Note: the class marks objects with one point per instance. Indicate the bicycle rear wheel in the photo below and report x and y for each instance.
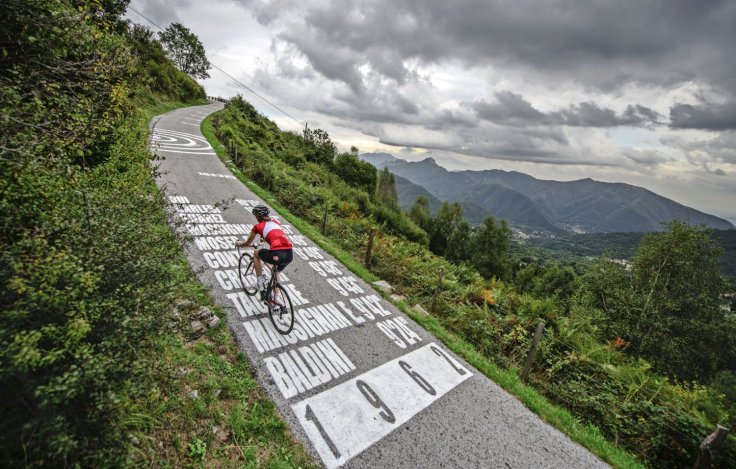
(247, 274)
(280, 310)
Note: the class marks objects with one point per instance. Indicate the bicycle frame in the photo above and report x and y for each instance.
(274, 280)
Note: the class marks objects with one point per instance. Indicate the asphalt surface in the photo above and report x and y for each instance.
(359, 382)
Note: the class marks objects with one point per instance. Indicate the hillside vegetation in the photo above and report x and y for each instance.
(96, 364)
(597, 358)
(624, 245)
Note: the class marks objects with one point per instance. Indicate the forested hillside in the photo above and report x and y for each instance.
(624, 245)
(645, 354)
(94, 288)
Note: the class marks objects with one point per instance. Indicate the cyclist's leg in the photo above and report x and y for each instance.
(265, 256)
(258, 264)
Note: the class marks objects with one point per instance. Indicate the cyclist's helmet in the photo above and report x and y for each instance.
(260, 211)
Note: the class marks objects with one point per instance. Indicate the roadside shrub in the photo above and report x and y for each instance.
(84, 273)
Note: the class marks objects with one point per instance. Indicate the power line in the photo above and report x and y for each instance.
(228, 75)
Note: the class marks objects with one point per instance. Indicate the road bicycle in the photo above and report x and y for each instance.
(274, 296)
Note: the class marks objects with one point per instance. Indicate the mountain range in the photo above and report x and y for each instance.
(531, 204)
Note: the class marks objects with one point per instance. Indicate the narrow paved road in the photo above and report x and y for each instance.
(359, 382)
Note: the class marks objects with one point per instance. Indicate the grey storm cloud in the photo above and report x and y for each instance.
(720, 149)
(537, 144)
(383, 106)
(604, 43)
(512, 109)
(362, 59)
(704, 116)
(163, 12)
(589, 114)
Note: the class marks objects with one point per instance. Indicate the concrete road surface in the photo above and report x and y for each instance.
(361, 384)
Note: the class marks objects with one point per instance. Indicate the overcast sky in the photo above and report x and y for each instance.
(642, 92)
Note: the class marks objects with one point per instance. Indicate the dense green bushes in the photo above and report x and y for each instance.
(84, 268)
(667, 305)
(580, 365)
(155, 77)
(355, 172)
(298, 169)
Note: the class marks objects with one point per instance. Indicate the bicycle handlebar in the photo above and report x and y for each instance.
(254, 246)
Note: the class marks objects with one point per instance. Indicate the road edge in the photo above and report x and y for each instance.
(586, 435)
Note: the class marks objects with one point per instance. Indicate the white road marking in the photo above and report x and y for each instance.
(343, 421)
(172, 141)
(214, 175)
(187, 152)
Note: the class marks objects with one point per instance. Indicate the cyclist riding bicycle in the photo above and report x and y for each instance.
(279, 252)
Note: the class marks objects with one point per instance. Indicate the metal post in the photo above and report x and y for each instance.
(532, 351)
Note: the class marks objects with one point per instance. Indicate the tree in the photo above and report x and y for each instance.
(667, 306)
(556, 281)
(386, 190)
(318, 147)
(526, 277)
(459, 248)
(419, 213)
(354, 171)
(490, 246)
(443, 226)
(185, 50)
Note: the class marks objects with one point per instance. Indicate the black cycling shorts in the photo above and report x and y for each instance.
(280, 258)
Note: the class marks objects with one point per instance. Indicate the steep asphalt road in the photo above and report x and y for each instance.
(359, 382)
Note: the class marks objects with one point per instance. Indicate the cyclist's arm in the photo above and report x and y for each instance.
(248, 241)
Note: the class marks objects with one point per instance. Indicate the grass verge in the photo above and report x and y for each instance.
(202, 406)
(586, 435)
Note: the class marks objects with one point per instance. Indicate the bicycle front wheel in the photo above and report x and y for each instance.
(247, 274)
(280, 310)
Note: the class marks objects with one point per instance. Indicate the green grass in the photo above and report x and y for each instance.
(303, 226)
(203, 407)
(587, 435)
(229, 422)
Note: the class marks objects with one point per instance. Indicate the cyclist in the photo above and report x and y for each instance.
(279, 252)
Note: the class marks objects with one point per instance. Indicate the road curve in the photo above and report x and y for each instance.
(361, 384)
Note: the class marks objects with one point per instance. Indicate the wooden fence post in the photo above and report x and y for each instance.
(369, 248)
(710, 446)
(324, 221)
(437, 291)
(532, 351)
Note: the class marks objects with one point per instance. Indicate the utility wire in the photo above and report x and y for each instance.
(228, 75)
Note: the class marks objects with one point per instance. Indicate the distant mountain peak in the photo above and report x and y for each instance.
(584, 205)
(379, 159)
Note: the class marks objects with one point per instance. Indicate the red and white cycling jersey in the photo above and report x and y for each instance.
(271, 231)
